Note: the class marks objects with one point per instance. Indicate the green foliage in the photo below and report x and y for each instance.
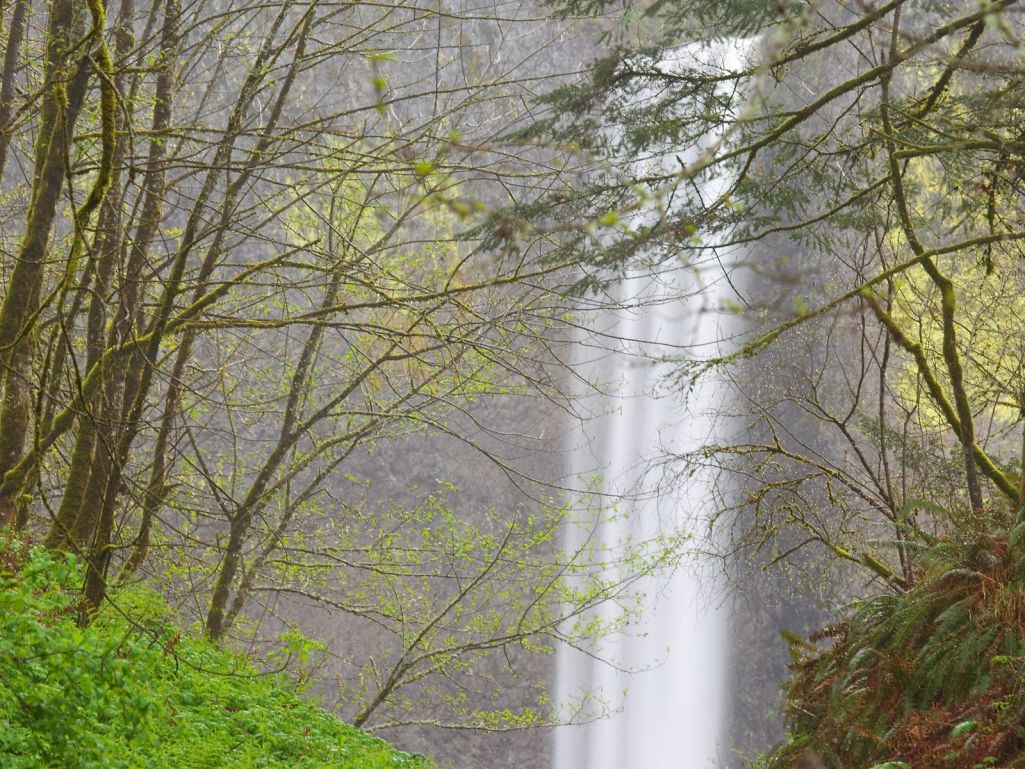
(474, 596)
(724, 18)
(132, 691)
(929, 678)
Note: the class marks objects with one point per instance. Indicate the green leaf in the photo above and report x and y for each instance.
(963, 728)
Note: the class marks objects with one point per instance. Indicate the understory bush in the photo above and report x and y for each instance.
(928, 678)
(132, 691)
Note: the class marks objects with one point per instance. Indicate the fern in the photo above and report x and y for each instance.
(903, 670)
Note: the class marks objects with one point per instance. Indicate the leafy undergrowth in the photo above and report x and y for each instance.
(132, 691)
(929, 679)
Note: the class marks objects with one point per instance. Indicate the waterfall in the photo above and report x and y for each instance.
(665, 680)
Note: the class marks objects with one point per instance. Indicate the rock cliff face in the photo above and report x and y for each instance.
(399, 473)
(789, 587)
(501, 451)
(495, 454)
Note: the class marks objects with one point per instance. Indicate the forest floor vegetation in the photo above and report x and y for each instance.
(132, 690)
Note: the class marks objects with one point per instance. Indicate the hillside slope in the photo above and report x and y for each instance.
(131, 691)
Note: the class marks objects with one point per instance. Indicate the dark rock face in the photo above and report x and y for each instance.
(500, 451)
(787, 587)
(399, 474)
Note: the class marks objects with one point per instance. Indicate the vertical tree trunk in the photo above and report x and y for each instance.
(61, 104)
(15, 34)
(76, 518)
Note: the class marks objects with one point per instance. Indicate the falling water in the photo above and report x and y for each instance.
(666, 681)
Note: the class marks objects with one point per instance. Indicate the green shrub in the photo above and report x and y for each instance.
(131, 691)
(932, 678)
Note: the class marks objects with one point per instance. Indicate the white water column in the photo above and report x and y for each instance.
(666, 677)
(666, 680)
